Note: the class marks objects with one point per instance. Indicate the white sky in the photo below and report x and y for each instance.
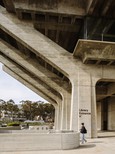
(13, 89)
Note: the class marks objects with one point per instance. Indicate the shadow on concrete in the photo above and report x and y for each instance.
(106, 134)
(96, 142)
(84, 146)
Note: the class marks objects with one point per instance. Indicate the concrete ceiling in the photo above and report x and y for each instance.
(75, 19)
(65, 22)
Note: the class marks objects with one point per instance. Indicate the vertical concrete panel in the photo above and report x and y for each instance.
(85, 108)
(111, 114)
(99, 121)
(74, 107)
(85, 101)
(93, 112)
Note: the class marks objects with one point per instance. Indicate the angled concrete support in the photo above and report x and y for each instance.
(33, 88)
(33, 84)
(31, 67)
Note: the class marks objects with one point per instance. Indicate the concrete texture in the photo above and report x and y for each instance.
(95, 146)
(37, 38)
(30, 141)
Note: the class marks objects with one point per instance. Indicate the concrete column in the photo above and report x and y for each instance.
(74, 106)
(58, 115)
(93, 112)
(99, 121)
(81, 102)
(65, 121)
(68, 110)
(63, 114)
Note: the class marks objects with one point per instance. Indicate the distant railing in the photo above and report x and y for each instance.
(100, 37)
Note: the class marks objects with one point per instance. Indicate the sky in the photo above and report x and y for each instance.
(10, 88)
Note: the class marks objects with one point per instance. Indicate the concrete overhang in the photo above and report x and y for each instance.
(25, 78)
(44, 76)
(29, 85)
(106, 91)
(95, 52)
(67, 7)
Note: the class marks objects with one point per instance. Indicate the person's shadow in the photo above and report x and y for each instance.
(89, 144)
(84, 146)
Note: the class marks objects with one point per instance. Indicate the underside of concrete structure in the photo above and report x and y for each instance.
(65, 52)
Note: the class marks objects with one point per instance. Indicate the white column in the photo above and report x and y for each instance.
(59, 116)
(65, 121)
(64, 111)
(99, 119)
(68, 110)
(56, 116)
(93, 110)
(74, 106)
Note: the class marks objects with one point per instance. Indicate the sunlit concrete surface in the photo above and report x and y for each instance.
(104, 145)
(64, 50)
(30, 141)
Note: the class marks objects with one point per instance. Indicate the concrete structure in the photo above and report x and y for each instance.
(98, 145)
(38, 141)
(65, 52)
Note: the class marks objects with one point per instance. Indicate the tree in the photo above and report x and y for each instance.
(50, 111)
(10, 108)
(29, 109)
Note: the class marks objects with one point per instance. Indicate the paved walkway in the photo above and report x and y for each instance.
(105, 144)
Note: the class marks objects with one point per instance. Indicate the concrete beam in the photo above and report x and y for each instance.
(38, 91)
(72, 7)
(89, 3)
(9, 5)
(29, 85)
(11, 53)
(41, 45)
(105, 91)
(101, 90)
(106, 6)
(91, 6)
(111, 89)
(30, 65)
(54, 26)
(95, 50)
(27, 77)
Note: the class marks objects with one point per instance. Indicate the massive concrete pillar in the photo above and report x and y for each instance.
(83, 103)
(66, 105)
(93, 110)
(74, 106)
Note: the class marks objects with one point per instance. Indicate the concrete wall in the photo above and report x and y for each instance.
(36, 141)
(99, 121)
(111, 114)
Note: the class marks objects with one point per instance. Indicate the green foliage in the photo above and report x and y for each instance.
(29, 110)
(14, 124)
(35, 123)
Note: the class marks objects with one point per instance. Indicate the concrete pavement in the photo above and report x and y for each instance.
(103, 145)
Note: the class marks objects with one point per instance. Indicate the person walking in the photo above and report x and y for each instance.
(83, 131)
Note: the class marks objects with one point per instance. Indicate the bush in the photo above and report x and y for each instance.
(14, 124)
